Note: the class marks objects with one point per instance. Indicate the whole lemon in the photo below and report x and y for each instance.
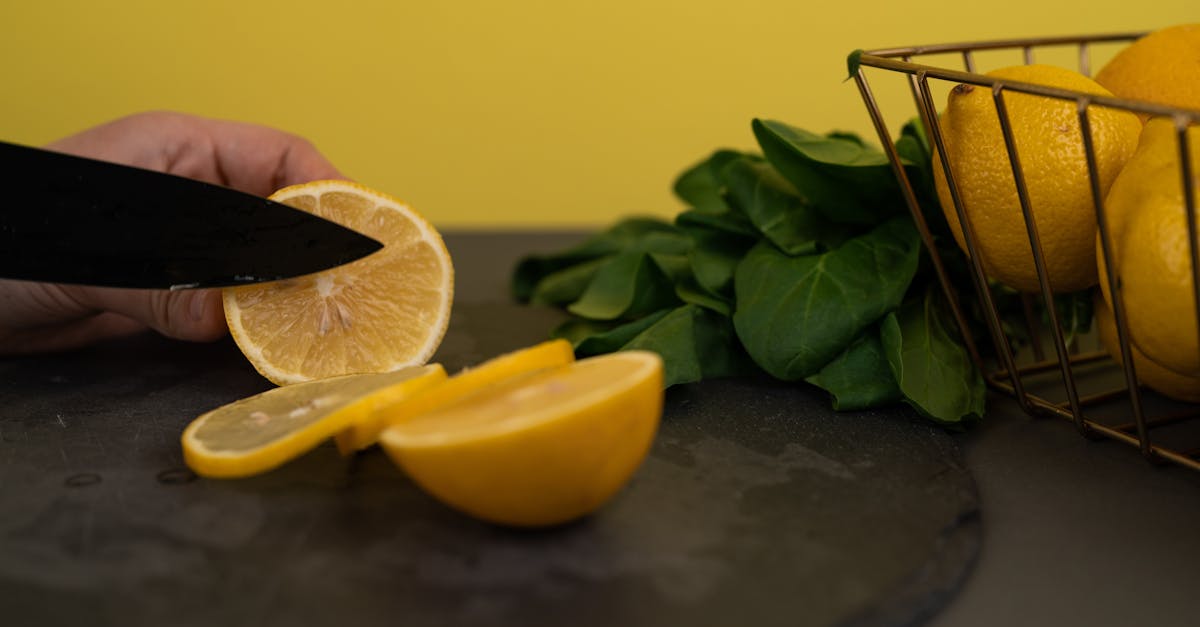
(1050, 146)
(1162, 67)
(1150, 248)
(1162, 380)
(1153, 162)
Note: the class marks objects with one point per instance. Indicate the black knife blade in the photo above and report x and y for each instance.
(68, 219)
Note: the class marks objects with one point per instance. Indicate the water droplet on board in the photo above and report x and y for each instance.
(82, 480)
(176, 476)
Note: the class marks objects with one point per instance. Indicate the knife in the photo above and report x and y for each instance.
(67, 219)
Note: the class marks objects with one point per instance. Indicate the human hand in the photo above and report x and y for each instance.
(41, 317)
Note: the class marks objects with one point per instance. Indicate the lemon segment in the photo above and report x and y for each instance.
(261, 432)
(541, 449)
(383, 312)
(364, 432)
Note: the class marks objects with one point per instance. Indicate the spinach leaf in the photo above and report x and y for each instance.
(596, 337)
(853, 62)
(846, 180)
(567, 285)
(1074, 311)
(728, 222)
(699, 185)
(933, 369)
(628, 285)
(695, 343)
(718, 243)
(532, 269)
(796, 314)
(691, 292)
(860, 377)
(777, 210)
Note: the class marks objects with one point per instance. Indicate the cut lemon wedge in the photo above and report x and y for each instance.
(365, 431)
(540, 449)
(383, 312)
(261, 432)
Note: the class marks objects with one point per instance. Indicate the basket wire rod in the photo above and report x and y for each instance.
(1085, 59)
(1039, 260)
(999, 340)
(1159, 421)
(1138, 106)
(1110, 275)
(1035, 329)
(1189, 207)
(1027, 54)
(998, 44)
(968, 61)
(914, 208)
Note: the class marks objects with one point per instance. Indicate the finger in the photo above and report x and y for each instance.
(193, 315)
(248, 157)
(70, 335)
(251, 158)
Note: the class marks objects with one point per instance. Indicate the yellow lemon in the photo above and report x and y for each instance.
(537, 450)
(261, 432)
(1051, 151)
(1162, 67)
(1162, 380)
(1151, 251)
(384, 312)
(365, 431)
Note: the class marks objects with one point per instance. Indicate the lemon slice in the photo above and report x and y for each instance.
(383, 312)
(541, 449)
(365, 431)
(261, 432)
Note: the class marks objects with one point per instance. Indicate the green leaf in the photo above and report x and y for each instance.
(1074, 311)
(777, 210)
(853, 61)
(628, 285)
(713, 262)
(699, 185)
(848, 181)
(859, 378)
(934, 370)
(675, 266)
(719, 241)
(733, 223)
(596, 337)
(530, 270)
(567, 285)
(913, 148)
(796, 314)
(691, 292)
(695, 344)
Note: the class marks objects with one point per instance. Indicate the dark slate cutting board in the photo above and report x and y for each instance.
(758, 506)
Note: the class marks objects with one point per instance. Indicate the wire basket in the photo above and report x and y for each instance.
(1084, 386)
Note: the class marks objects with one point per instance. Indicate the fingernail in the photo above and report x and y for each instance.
(198, 306)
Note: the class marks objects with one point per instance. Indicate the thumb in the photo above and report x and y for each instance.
(192, 315)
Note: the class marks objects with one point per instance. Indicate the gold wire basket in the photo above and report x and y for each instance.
(1082, 386)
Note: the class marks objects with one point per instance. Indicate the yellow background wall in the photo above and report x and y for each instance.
(540, 113)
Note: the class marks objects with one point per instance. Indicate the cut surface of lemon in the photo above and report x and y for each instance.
(365, 431)
(541, 449)
(386, 311)
(261, 432)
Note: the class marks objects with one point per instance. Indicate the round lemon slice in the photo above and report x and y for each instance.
(261, 432)
(383, 312)
(540, 449)
(365, 432)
